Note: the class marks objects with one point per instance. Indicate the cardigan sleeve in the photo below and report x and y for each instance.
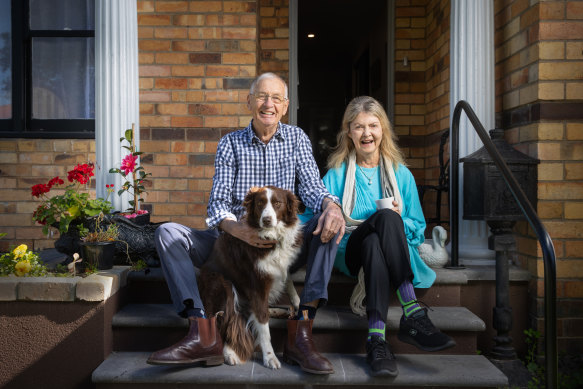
(413, 217)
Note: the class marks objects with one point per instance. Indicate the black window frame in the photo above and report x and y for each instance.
(22, 125)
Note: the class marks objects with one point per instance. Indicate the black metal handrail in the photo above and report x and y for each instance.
(550, 276)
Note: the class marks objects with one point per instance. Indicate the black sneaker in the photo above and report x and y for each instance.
(419, 331)
(380, 357)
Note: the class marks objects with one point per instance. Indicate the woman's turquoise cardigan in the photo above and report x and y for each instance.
(365, 206)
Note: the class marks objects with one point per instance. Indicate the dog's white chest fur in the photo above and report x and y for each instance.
(279, 259)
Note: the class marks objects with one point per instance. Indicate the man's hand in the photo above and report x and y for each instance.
(245, 233)
(330, 222)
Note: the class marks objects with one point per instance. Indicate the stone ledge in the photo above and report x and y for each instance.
(96, 287)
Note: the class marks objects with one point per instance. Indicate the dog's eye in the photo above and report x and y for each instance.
(276, 204)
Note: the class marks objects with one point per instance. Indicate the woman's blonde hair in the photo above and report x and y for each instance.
(344, 145)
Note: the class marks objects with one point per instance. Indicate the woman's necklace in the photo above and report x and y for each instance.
(371, 176)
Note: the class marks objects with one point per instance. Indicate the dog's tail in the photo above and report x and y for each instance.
(233, 327)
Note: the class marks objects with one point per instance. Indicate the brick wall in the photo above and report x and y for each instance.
(422, 88)
(197, 60)
(539, 91)
(24, 163)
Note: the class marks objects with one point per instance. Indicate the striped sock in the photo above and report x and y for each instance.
(376, 324)
(407, 298)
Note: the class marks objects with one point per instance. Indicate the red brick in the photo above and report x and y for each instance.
(170, 209)
(171, 32)
(228, 96)
(154, 121)
(560, 30)
(171, 83)
(222, 71)
(154, 96)
(238, 58)
(153, 20)
(153, 45)
(239, 6)
(145, 58)
(188, 147)
(189, 20)
(204, 109)
(574, 10)
(187, 171)
(187, 121)
(206, 6)
(188, 46)
(188, 71)
(170, 159)
(172, 58)
(171, 6)
(145, 6)
(221, 121)
(239, 33)
(154, 71)
(172, 109)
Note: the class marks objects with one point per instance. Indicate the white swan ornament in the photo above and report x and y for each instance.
(433, 250)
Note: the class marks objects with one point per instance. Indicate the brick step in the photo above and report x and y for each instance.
(129, 369)
(149, 327)
(151, 287)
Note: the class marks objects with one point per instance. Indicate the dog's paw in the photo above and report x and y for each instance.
(231, 357)
(271, 361)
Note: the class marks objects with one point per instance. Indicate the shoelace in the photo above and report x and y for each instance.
(379, 349)
(424, 324)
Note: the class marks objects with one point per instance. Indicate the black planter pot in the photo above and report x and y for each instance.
(100, 254)
(135, 240)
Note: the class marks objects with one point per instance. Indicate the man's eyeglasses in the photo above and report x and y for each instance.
(262, 97)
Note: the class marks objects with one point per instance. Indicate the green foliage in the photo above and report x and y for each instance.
(570, 374)
(139, 265)
(133, 174)
(101, 234)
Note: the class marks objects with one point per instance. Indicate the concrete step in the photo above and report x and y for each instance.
(149, 327)
(130, 370)
(151, 287)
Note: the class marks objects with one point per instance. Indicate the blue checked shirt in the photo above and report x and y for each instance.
(243, 161)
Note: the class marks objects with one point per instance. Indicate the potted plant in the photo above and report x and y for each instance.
(99, 245)
(69, 209)
(134, 176)
(22, 262)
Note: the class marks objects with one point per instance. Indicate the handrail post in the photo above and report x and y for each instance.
(550, 274)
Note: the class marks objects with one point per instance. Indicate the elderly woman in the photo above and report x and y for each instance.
(367, 166)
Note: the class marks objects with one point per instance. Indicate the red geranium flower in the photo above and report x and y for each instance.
(81, 173)
(54, 181)
(39, 189)
(128, 164)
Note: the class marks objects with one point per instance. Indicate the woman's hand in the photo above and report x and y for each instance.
(330, 222)
(396, 207)
(244, 232)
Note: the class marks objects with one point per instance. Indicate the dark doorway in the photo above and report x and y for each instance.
(347, 57)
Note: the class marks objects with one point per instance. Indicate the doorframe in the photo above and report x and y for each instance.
(294, 81)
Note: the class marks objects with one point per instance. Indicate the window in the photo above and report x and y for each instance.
(47, 68)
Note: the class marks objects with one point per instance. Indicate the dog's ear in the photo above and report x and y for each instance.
(249, 200)
(292, 203)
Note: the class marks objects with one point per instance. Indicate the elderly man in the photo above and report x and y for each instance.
(267, 152)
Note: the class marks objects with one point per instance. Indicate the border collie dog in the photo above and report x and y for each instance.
(243, 280)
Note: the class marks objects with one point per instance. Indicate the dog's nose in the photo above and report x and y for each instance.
(266, 220)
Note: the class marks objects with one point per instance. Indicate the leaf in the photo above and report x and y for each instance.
(114, 170)
(138, 153)
(129, 135)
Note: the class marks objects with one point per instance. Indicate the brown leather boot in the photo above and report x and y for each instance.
(202, 344)
(300, 349)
